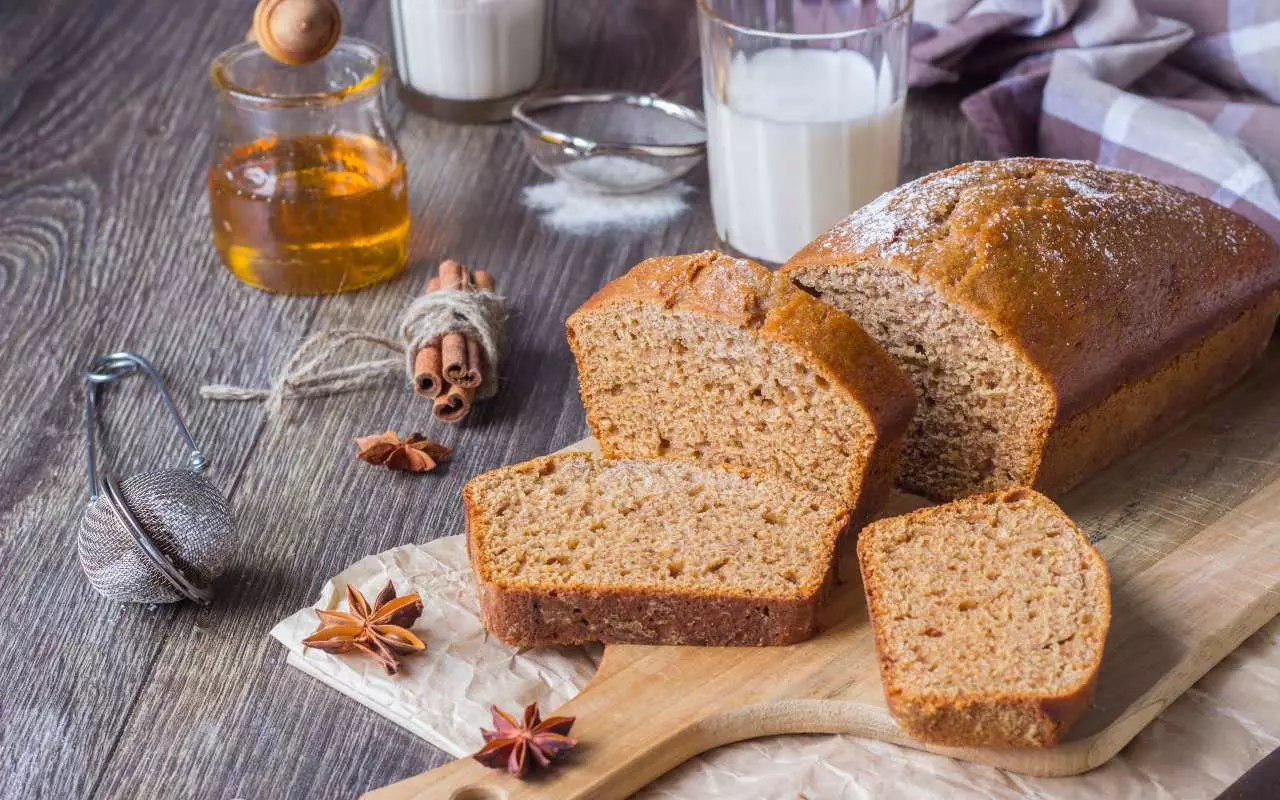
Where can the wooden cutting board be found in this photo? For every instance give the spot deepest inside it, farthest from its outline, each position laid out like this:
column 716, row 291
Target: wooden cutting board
column 1189, row 525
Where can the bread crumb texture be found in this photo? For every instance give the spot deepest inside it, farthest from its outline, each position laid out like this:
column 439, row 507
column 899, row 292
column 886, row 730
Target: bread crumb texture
column 570, row 548
column 990, row 616
column 577, row 521
column 716, row 360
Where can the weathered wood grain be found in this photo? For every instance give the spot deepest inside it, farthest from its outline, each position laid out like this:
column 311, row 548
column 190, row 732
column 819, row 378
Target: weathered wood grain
column 105, row 118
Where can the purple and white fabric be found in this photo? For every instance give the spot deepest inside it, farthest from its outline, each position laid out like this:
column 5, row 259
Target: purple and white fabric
column 1183, row 91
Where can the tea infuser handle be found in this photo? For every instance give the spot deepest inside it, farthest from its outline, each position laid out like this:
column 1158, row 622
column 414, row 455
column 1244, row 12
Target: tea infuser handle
column 109, row 368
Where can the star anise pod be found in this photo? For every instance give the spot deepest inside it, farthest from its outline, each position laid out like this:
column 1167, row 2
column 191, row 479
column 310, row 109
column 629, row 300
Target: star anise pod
column 415, row 454
column 381, row 631
column 517, row 747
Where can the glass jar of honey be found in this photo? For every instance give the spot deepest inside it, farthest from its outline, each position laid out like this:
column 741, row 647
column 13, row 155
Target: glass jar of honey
column 307, row 189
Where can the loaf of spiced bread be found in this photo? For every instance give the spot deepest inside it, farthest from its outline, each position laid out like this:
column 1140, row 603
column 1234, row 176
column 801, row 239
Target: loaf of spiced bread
column 1051, row 314
column 717, row 360
column 990, row 615
column 571, row 548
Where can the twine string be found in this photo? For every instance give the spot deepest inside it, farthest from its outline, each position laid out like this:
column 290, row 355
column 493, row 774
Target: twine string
column 310, row 371
column 480, row 315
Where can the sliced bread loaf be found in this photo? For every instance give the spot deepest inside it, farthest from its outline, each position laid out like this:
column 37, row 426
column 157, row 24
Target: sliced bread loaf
column 990, row 615
column 569, row 549
column 717, row 360
column 1052, row 314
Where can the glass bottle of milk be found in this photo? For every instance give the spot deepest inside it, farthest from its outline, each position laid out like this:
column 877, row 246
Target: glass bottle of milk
column 470, row 60
column 804, row 102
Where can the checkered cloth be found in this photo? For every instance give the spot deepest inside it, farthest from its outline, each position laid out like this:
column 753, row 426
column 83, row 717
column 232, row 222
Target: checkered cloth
column 1184, row 91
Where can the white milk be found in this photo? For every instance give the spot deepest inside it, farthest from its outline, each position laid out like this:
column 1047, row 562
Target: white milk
column 806, row 137
column 469, row 49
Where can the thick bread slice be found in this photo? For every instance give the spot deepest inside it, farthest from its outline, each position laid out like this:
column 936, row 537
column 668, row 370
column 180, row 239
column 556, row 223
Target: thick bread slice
column 1052, row 314
column 717, row 360
column 569, row 549
column 990, row 615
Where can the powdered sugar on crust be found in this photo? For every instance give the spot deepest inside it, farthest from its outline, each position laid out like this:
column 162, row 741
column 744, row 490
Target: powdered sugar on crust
column 890, row 222
column 898, row 220
column 1087, row 188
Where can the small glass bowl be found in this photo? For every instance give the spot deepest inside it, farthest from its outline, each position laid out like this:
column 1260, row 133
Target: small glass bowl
column 611, row 142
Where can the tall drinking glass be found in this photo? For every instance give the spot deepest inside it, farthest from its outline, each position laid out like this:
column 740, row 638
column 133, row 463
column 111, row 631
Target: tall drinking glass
column 804, row 114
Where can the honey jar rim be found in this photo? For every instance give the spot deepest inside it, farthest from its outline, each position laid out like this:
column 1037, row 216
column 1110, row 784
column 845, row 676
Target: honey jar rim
column 219, row 76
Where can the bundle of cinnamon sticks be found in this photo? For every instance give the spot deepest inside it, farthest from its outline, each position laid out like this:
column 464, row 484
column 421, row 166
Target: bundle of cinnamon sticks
column 449, row 369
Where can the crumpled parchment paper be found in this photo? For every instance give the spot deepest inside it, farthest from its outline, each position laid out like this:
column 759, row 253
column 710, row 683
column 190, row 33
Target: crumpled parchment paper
column 1200, row 744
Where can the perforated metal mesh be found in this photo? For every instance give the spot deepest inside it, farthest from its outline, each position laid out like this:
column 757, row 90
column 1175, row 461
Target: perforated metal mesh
column 187, row 518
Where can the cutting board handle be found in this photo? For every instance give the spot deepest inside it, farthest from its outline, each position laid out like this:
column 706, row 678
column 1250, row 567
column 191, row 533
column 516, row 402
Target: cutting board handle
column 596, row 770
column 635, row 721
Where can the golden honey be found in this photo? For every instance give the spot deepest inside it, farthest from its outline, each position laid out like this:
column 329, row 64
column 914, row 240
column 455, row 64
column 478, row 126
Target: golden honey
column 312, row 214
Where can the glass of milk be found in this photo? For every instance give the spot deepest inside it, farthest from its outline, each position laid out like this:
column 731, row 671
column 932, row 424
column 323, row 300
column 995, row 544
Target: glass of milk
column 471, row 60
column 803, row 100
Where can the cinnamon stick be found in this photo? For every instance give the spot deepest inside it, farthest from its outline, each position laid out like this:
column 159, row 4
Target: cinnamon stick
column 450, row 368
column 426, row 370
column 454, row 405
column 428, row 379
column 472, row 377
column 453, row 347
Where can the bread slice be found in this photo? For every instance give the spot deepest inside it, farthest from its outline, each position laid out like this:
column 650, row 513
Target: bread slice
column 717, row 360
column 990, row 615
column 569, row 548
column 1052, row 314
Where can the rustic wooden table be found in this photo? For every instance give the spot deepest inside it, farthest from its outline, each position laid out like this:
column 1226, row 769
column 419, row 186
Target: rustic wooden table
column 105, row 121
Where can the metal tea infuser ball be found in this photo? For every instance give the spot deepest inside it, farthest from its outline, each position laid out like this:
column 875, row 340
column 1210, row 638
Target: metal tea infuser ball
column 158, row 536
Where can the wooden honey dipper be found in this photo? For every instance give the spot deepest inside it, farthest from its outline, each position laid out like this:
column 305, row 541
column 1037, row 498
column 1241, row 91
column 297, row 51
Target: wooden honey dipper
column 297, row 32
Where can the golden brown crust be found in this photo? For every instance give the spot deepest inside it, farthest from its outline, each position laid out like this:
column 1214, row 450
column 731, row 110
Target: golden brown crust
column 1008, row 722
column 709, row 282
column 977, row 720
column 1096, row 276
column 1079, row 446
column 745, row 294
column 531, row 615
column 1103, row 281
column 535, row 618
